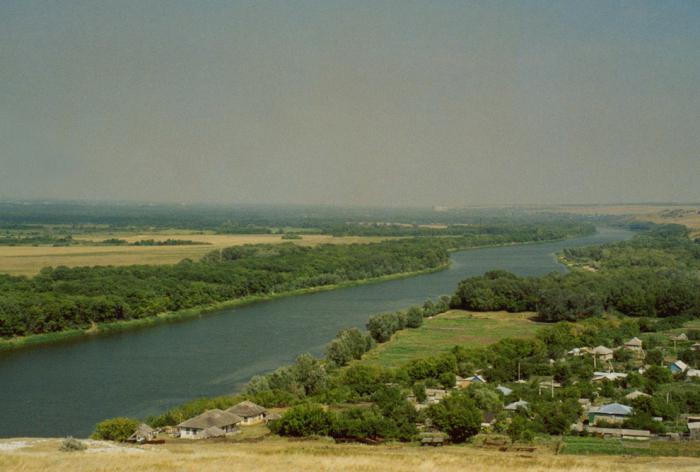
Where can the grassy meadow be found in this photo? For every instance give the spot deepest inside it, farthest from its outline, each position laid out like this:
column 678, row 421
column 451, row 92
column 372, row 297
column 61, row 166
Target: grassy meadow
column 311, row 456
column 442, row 332
column 29, row 260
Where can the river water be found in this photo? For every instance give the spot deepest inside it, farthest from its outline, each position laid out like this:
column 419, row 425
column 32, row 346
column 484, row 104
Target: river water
column 64, row 389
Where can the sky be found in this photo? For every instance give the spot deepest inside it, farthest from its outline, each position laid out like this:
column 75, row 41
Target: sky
column 350, row 103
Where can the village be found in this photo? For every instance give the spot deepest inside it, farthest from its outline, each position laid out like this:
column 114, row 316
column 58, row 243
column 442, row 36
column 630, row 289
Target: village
column 625, row 400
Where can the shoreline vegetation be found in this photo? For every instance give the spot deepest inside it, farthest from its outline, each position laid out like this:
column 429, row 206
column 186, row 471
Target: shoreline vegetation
column 96, row 329
column 181, row 315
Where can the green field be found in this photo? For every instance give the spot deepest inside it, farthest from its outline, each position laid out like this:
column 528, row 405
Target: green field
column 456, row 327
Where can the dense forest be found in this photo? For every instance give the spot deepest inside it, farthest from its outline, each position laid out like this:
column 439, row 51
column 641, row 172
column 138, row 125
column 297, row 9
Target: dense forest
column 652, row 275
column 65, row 298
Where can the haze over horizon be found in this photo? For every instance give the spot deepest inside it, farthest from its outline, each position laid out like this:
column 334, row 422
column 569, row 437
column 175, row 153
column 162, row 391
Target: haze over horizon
column 363, row 103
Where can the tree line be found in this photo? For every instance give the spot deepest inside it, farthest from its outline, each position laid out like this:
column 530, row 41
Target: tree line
column 652, row 275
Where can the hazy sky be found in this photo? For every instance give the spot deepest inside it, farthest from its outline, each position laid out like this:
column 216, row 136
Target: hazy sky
column 350, row 102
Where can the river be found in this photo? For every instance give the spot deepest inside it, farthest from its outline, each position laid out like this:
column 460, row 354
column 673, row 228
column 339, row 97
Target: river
column 64, row 389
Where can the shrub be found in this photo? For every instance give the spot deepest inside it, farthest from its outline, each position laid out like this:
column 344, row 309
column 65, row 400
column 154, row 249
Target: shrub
column 414, row 317
column 519, row 429
column 303, row 420
column 419, row 391
column 115, row 429
column 71, row 444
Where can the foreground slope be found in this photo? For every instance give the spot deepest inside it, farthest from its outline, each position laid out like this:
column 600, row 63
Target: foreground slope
column 310, row 456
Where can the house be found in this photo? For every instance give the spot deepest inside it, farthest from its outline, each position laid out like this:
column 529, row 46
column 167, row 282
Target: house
column 476, row 378
column 194, row 428
column 461, row 382
column 694, row 430
column 637, row 434
column 610, row 413
column 578, row 351
column 692, row 373
column 611, row 376
column 142, row 434
column 678, row 367
column 603, row 353
column 634, row 344
column 434, row 395
column 636, row 394
column 695, row 347
column 680, row 337
column 520, row 404
column 504, row 390
column 249, row 411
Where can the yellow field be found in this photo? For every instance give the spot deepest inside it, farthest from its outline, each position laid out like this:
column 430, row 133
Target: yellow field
column 310, row 456
column 28, row 260
column 688, row 215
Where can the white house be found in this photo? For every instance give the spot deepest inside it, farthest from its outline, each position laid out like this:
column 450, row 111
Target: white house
column 634, row 344
column 196, row 428
column 504, row 390
column 636, row 394
column 249, row 411
column 517, row 405
column 603, row 353
column 143, row 433
column 611, row 376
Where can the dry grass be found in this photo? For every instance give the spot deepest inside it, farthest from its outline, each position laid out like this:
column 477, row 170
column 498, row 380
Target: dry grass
column 28, row 260
column 311, row 456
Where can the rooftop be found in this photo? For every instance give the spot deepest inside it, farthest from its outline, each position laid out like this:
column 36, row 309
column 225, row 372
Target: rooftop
column 246, row 409
column 211, row 418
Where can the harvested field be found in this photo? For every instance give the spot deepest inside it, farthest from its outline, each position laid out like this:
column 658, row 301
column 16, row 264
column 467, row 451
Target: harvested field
column 28, row 260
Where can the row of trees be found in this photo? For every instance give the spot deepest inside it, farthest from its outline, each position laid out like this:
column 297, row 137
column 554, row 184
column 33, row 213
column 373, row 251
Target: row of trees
column 382, row 326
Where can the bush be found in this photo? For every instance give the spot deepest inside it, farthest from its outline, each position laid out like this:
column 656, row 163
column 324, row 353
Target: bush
column 115, row 429
column 457, row 415
column 519, row 429
column 414, row 317
column 363, row 423
column 419, row 391
column 71, row 444
column 303, row 420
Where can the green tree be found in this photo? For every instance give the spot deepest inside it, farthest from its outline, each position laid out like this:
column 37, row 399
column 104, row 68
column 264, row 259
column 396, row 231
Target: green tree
column 456, row 415
column 414, row 317
column 115, row 429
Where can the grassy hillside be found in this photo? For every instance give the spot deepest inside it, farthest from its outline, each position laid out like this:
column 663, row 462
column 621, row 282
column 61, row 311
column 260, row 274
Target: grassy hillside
column 310, row 456
column 456, row 327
